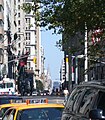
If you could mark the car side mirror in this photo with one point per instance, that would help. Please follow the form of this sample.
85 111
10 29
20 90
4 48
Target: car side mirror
96 114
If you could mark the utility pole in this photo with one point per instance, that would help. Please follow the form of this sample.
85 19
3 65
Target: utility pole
76 70
86 57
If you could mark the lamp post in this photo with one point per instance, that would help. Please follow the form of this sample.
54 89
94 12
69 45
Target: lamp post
76 69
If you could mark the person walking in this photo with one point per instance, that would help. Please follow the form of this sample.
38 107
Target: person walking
66 92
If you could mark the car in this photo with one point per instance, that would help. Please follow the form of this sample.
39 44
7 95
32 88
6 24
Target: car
34 93
36 111
4 99
46 92
4 107
19 102
86 102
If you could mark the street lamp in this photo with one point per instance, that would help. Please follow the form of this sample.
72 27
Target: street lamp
76 69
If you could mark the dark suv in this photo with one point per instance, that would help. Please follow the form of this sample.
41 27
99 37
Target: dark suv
86 102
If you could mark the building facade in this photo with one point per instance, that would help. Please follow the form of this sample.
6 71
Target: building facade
1 33
18 35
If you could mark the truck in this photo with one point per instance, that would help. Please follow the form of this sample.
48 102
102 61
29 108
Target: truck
7 85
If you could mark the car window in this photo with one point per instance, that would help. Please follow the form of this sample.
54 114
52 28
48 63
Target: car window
101 101
73 100
87 101
12 114
3 110
6 115
40 114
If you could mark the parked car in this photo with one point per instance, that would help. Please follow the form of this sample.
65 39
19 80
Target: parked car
86 102
43 111
34 93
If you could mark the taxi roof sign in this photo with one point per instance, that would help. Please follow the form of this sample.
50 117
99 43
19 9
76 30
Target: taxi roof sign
30 101
44 100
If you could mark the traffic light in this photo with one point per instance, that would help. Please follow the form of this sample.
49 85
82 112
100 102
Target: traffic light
25 57
22 61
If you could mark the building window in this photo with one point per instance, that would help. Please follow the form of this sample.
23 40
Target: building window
18 14
18 29
28 36
19 37
28 49
28 20
19 52
18 7
18 22
19 45
28 65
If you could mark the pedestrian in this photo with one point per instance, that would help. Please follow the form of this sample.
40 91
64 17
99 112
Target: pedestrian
66 92
10 92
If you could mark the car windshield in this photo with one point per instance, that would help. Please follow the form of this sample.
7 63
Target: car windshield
40 114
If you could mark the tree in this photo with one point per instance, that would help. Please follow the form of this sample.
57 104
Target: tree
70 16
39 85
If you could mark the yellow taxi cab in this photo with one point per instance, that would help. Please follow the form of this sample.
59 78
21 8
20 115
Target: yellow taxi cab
4 107
35 111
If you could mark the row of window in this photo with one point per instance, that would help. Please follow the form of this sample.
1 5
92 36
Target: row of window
28 20
28 36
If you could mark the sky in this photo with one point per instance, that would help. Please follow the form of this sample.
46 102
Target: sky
53 56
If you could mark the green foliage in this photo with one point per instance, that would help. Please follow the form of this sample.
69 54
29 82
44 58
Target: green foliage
39 85
70 16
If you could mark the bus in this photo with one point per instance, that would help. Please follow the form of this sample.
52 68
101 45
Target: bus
7 85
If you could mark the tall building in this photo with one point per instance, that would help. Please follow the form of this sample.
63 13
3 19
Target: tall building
20 21
47 82
1 32
9 40
19 35
29 39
